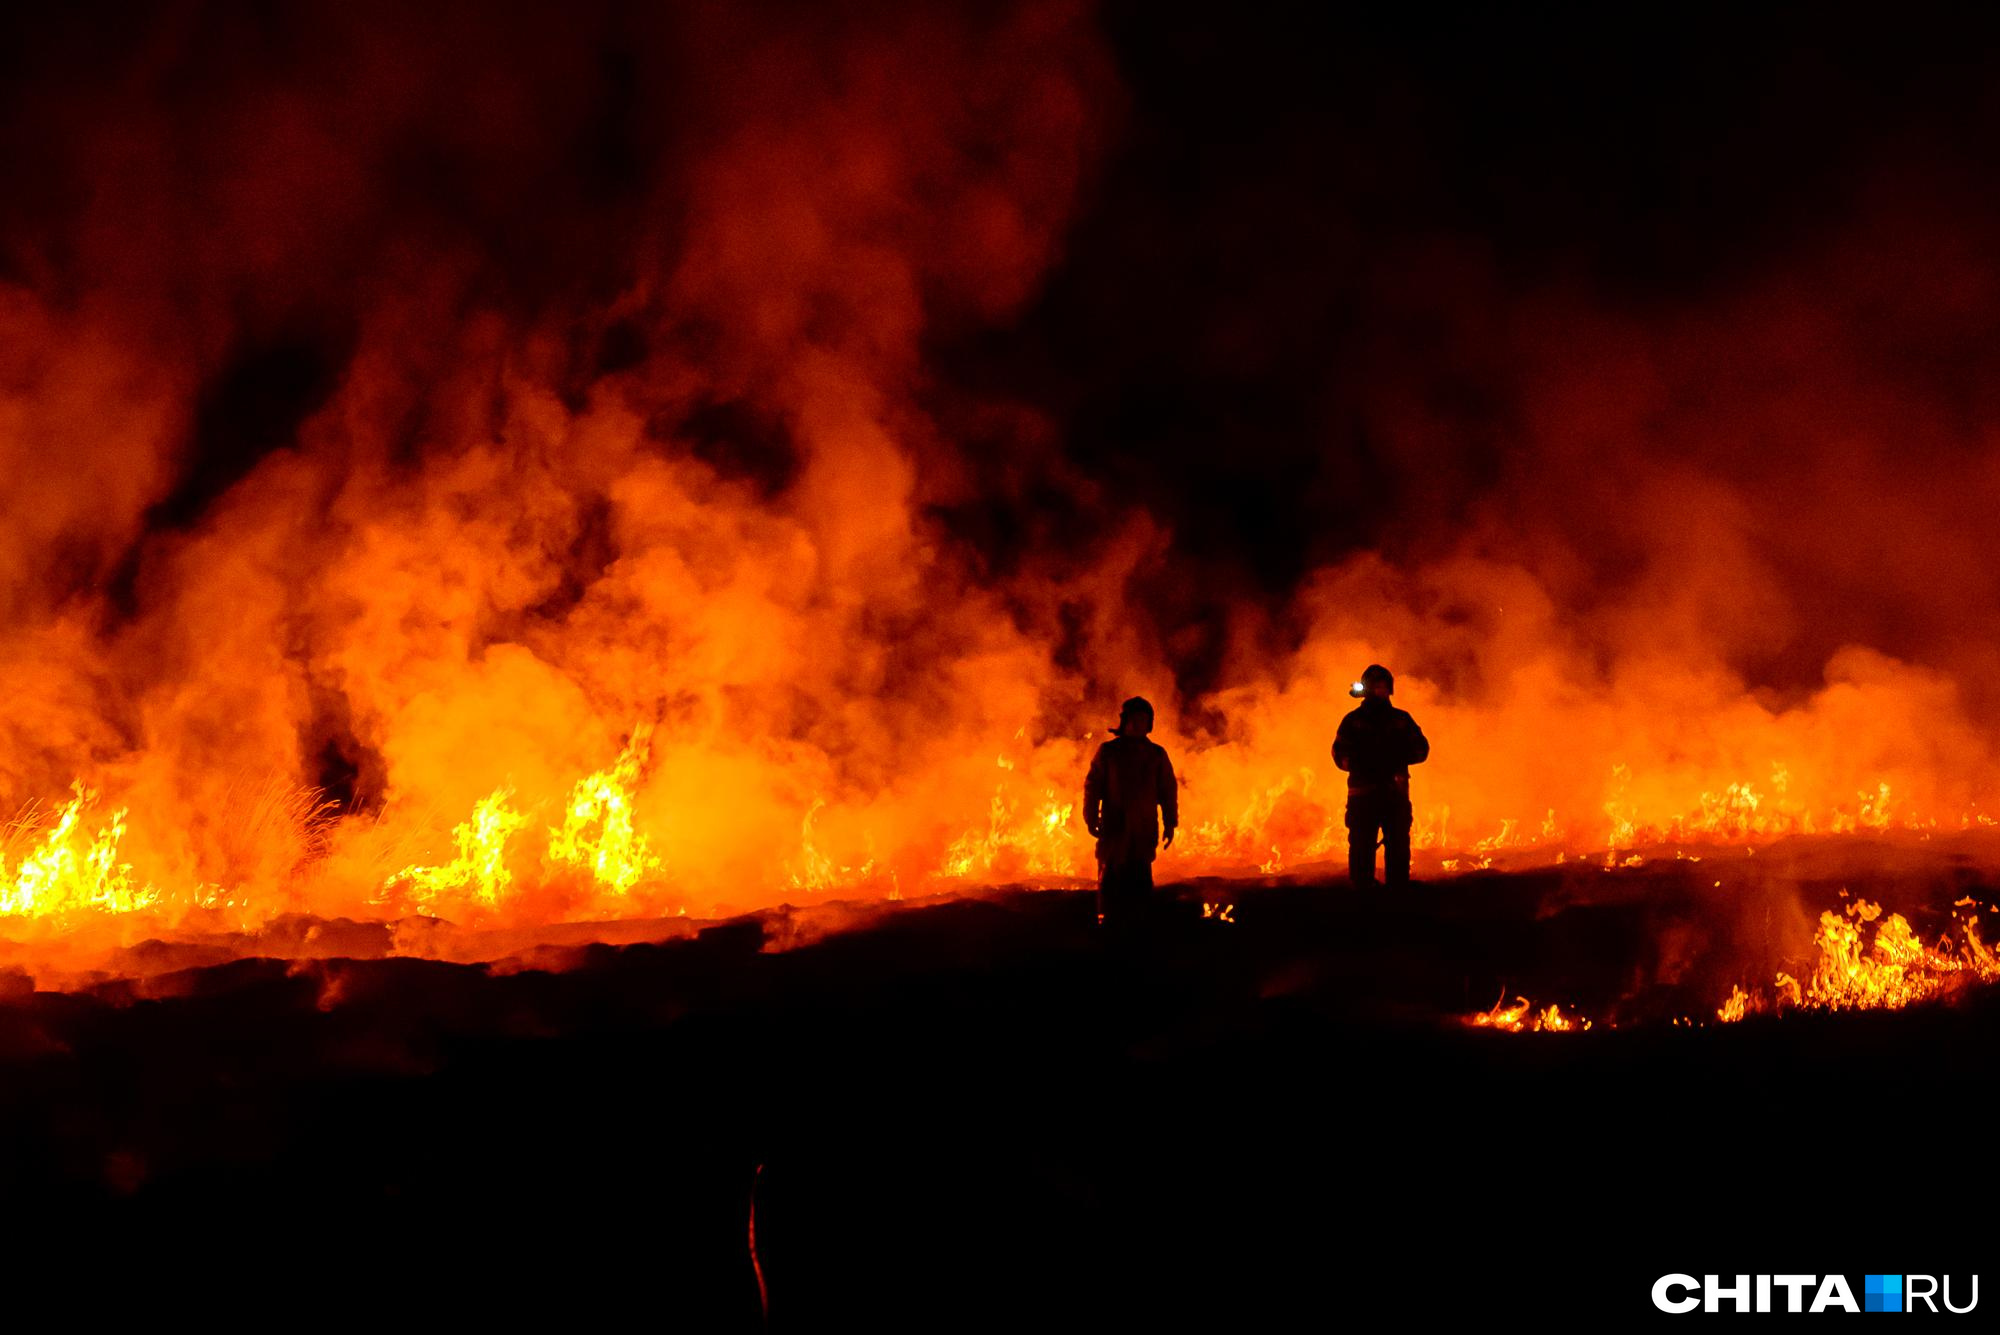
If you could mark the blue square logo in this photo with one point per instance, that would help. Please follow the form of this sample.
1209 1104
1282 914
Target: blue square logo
1881 1293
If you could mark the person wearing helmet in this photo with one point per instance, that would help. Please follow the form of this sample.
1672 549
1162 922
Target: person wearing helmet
1129 797
1376 744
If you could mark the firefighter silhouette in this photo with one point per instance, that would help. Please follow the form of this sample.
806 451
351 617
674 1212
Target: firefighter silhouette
1376 744
1129 798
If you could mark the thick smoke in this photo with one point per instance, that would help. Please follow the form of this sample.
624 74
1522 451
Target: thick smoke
402 406
463 394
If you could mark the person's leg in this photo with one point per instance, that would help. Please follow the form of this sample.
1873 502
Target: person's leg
1145 898
1361 827
1121 894
1396 845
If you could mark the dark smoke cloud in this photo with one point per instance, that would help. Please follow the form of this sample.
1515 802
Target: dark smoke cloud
1689 319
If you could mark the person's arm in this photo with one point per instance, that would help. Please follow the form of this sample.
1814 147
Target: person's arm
1343 746
1170 798
1420 746
1093 795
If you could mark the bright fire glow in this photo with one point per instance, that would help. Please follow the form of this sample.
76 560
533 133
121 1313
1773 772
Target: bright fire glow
1520 1016
597 833
480 867
1893 969
63 873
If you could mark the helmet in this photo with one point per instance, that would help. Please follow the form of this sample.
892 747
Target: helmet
1138 705
1373 673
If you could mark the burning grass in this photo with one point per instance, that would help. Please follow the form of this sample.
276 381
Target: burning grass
1894 969
522 886
1849 971
601 850
518 878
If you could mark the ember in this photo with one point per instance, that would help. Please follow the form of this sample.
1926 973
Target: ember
1522 1017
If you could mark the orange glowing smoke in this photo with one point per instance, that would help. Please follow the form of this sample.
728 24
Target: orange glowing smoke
624 559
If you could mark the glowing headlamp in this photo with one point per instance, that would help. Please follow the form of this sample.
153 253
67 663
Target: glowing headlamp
1358 689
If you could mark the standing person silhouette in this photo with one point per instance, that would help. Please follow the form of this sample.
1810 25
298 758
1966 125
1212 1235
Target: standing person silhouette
1376 744
1129 797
